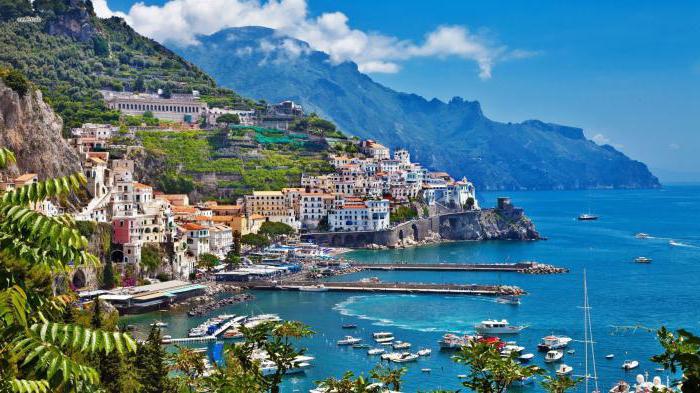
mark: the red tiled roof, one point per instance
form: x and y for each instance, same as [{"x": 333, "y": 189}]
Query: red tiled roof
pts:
[{"x": 193, "y": 227}]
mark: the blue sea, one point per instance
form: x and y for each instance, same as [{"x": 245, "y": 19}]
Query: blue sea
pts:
[{"x": 629, "y": 301}]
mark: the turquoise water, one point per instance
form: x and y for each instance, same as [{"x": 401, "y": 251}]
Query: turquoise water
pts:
[{"x": 621, "y": 292}]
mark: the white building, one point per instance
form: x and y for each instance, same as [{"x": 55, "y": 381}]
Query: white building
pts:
[
  {"x": 372, "y": 215},
  {"x": 220, "y": 240},
  {"x": 179, "y": 107},
  {"x": 197, "y": 239}
]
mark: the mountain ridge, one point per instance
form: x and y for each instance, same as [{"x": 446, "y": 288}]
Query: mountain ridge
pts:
[{"x": 265, "y": 64}]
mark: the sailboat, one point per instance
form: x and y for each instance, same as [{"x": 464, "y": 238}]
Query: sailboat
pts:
[{"x": 588, "y": 342}]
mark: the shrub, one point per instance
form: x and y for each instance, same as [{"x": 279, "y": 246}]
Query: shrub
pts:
[{"x": 16, "y": 81}]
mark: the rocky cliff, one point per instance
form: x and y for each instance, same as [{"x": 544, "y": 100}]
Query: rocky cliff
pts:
[
  {"x": 489, "y": 224},
  {"x": 30, "y": 128}
]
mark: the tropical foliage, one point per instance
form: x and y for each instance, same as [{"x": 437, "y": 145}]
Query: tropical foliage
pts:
[{"x": 38, "y": 351}]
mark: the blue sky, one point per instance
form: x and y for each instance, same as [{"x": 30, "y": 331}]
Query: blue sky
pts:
[{"x": 628, "y": 72}]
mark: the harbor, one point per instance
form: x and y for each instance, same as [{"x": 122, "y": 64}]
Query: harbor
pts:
[
  {"x": 518, "y": 267},
  {"x": 389, "y": 287}
]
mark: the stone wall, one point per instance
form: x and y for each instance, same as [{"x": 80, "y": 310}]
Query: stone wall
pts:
[{"x": 487, "y": 224}]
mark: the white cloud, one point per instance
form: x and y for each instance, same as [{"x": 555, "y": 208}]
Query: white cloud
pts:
[{"x": 180, "y": 21}]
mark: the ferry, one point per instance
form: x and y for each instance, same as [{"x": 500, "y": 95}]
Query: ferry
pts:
[
  {"x": 643, "y": 260},
  {"x": 553, "y": 356},
  {"x": 553, "y": 342},
  {"x": 587, "y": 217},
  {"x": 349, "y": 340},
  {"x": 492, "y": 326}
]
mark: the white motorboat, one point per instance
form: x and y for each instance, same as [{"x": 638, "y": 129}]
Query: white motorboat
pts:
[
  {"x": 425, "y": 370},
  {"x": 553, "y": 356},
  {"x": 492, "y": 326},
  {"x": 377, "y": 335},
  {"x": 526, "y": 357},
  {"x": 299, "y": 364},
  {"x": 564, "y": 369},
  {"x": 512, "y": 300},
  {"x": 390, "y": 355},
  {"x": 349, "y": 340},
  {"x": 642, "y": 260},
  {"x": 159, "y": 324},
  {"x": 375, "y": 351},
  {"x": 313, "y": 288},
  {"x": 587, "y": 217},
  {"x": 553, "y": 342},
  {"x": 630, "y": 364},
  {"x": 620, "y": 387},
  {"x": 384, "y": 340},
  {"x": 405, "y": 358},
  {"x": 509, "y": 349},
  {"x": 401, "y": 345},
  {"x": 424, "y": 352},
  {"x": 609, "y": 356},
  {"x": 642, "y": 235},
  {"x": 674, "y": 243}
]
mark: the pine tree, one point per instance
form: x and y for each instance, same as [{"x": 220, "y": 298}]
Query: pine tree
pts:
[
  {"x": 152, "y": 371},
  {"x": 108, "y": 276}
]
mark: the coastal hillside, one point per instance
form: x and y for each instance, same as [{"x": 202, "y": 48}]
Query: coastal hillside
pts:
[{"x": 454, "y": 136}]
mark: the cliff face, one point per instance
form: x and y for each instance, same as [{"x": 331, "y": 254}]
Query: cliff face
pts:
[
  {"x": 30, "y": 128},
  {"x": 491, "y": 224}
]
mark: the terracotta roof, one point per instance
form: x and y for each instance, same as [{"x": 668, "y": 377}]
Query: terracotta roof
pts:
[
  {"x": 99, "y": 154},
  {"x": 173, "y": 196},
  {"x": 184, "y": 209},
  {"x": 141, "y": 185},
  {"x": 225, "y": 207},
  {"x": 222, "y": 218},
  {"x": 256, "y": 217},
  {"x": 193, "y": 227},
  {"x": 202, "y": 218}
]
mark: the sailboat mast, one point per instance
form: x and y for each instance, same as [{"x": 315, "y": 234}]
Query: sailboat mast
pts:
[
  {"x": 585, "y": 329},
  {"x": 588, "y": 337}
]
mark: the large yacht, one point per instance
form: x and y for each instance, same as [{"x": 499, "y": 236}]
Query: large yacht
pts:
[
  {"x": 553, "y": 342},
  {"x": 492, "y": 326}
]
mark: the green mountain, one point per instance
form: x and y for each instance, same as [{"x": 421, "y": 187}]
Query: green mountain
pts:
[{"x": 453, "y": 136}]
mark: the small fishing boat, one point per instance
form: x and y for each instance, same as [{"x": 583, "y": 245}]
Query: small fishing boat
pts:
[
  {"x": 642, "y": 260},
  {"x": 462, "y": 376},
  {"x": 564, "y": 369},
  {"x": 587, "y": 217},
  {"x": 401, "y": 345},
  {"x": 375, "y": 351},
  {"x": 424, "y": 352},
  {"x": 360, "y": 346},
  {"x": 609, "y": 356},
  {"x": 492, "y": 326},
  {"x": 620, "y": 387},
  {"x": 642, "y": 235},
  {"x": 526, "y": 357},
  {"x": 349, "y": 326},
  {"x": 349, "y": 340},
  {"x": 384, "y": 340},
  {"x": 630, "y": 364},
  {"x": 377, "y": 335},
  {"x": 405, "y": 358},
  {"x": 553, "y": 356},
  {"x": 425, "y": 370}
]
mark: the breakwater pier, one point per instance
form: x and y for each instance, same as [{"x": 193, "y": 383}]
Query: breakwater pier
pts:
[
  {"x": 388, "y": 287},
  {"x": 518, "y": 267}
]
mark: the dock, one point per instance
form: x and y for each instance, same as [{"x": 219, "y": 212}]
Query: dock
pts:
[
  {"x": 202, "y": 339},
  {"x": 518, "y": 267},
  {"x": 393, "y": 287}
]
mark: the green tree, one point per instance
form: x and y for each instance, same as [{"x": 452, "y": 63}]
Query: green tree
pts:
[
  {"x": 274, "y": 230},
  {"x": 681, "y": 351},
  {"x": 228, "y": 119},
  {"x": 389, "y": 376},
  {"x": 236, "y": 246},
  {"x": 100, "y": 46},
  {"x": 349, "y": 384},
  {"x": 139, "y": 84},
  {"x": 255, "y": 240},
  {"x": 108, "y": 279},
  {"x": 207, "y": 261},
  {"x": 108, "y": 365},
  {"x": 233, "y": 378},
  {"x": 38, "y": 351},
  {"x": 233, "y": 260},
  {"x": 12, "y": 9},
  {"x": 151, "y": 257},
  {"x": 559, "y": 383},
  {"x": 150, "y": 364},
  {"x": 488, "y": 371},
  {"x": 189, "y": 364},
  {"x": 16, "y": 81}
]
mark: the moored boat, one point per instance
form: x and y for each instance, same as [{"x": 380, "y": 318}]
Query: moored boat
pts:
[
  {"x": 375, "y": 351},
  {"x": 492, "y": 326},
  {"x": 587, "y": 217},
  {"x": 564, "y": 369},
  {"x": 424, "y": 352},
  {"x": 553, "y": 356},
  {"x": 454, "y": 342},
  {"x": 349, "y": 326},
  {"x": 551, "y": 342},
  {"x": 314, "y": 288},
  {"x": 526, "y": 357},
  {"x": 642, "y": 260},
  {"x": 609, "y": 356},
  {"x": 405, "y": 357},
  {"x": 630, "y": 364},
  {"x": 348, "y": 340},
  {"x": 401, "y": 345}
]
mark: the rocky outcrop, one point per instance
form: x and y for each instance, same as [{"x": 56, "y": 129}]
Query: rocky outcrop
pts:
[
  {"x": 75, "y": 21},
  {"x": 30, "y": 128},
  {"x": 489, "y": 224}
]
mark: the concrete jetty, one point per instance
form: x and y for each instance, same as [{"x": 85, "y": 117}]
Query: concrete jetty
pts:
[
  {"x": 518, "y": 267},
  {"x": 394, "y": 287}
]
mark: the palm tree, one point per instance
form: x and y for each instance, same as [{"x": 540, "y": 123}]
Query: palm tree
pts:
[
  {"x": 389, "y": 376},
  {"x": 38, "y": 352}
]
